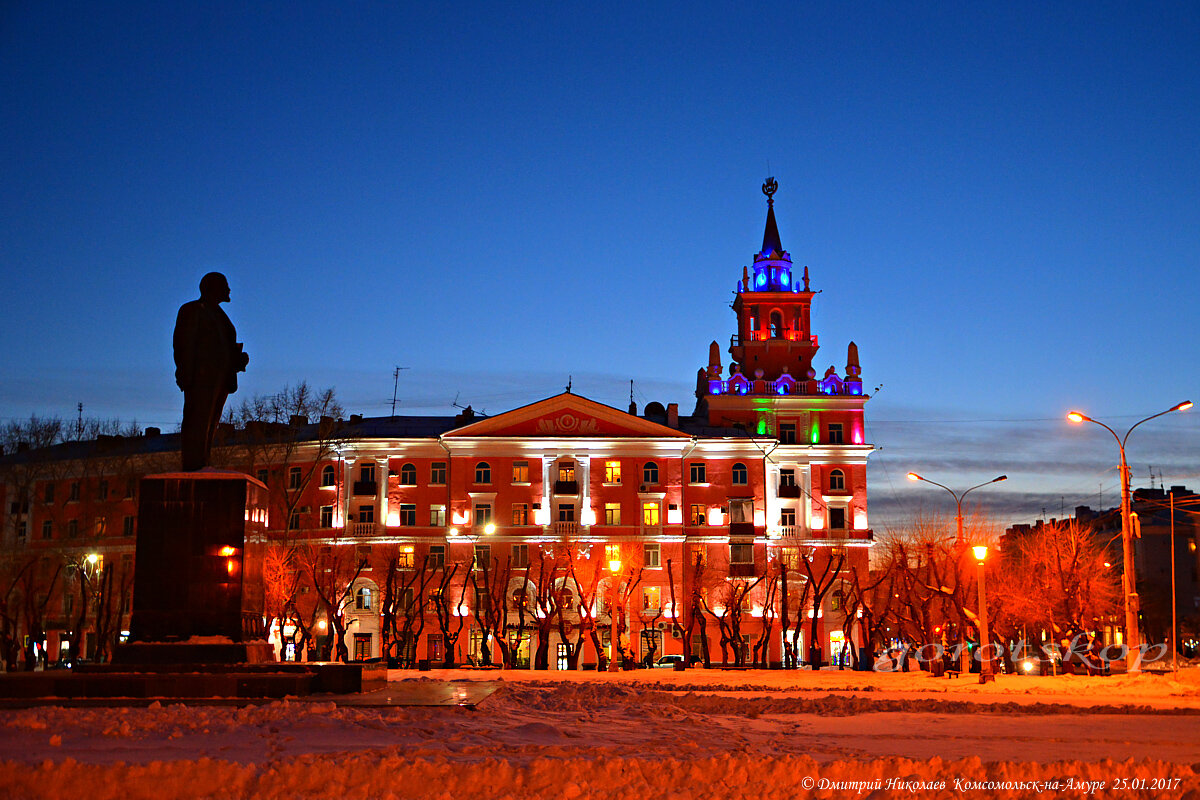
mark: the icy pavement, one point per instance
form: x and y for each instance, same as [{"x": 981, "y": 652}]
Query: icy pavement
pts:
[{"x": 644, "y": 734}]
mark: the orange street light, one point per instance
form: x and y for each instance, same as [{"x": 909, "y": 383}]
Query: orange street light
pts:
[
  {"x": 985, "y": 662},
  {"x": 1128, "y": 578}
]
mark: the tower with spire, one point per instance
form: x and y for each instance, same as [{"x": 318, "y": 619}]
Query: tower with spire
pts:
[{"x": 774, "y": 388}]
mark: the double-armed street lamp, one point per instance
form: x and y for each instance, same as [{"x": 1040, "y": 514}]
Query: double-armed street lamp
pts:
[{"x": 1128, "y": 580}]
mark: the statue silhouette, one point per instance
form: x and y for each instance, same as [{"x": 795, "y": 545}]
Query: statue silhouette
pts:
[{"x": 208, "y": 358}]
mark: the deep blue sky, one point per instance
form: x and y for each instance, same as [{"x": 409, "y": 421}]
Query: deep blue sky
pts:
[{"x": 999, "y": 205}]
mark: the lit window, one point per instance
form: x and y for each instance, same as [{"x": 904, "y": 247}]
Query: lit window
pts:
[
  {"x": 483, "y": 472},
  {"x": 520, "y": 472},
  {"x": 437, "y": 516},
  {"x": 652, "y": 555},
  {"x": 697, "y": 472},
  {"x": 566, "y": 471},
  {"x": 650, "y": 473},
  {"x": 405, "y": 558},
  {"x": 651, "y": 598},
  {"x": 520, "y": 514},
  {"x": 837, "y": 480},
  {"x": 612, "y": 471},
  {"x": 612, "y": 552},
  {"x": 408, "y": 475},
  {"x": 790, "y": 558},
  {"x": 697, "y": 514},
  {"x": 650, "y": 513},
  {"x": 437, "y": 473},
  {"x": 408, "y": 514},
  {"x": 835, "y": 433},
  {"x": 740, "y": 474},
  {"x": 362, "y": 599},
  {"x": 612, "y": 513}
]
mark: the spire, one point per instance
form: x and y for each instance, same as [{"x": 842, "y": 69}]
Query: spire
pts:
[{"x": 771, "y": 234}]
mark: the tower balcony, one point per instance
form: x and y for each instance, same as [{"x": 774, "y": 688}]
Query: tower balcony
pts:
[{"x": 765, "y": 336}]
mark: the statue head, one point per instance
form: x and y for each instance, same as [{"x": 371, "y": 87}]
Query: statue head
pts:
[{"x": 214, "y": 288}]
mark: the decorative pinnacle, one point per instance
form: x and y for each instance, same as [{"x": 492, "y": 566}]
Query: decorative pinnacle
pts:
[{"x": 769, "y": 188}]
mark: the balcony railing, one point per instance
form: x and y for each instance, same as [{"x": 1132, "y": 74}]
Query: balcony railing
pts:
[
  {"x": 564, "y": 529},
  {"x": 363, "y": 528},
  {"x": 789, "y": 531},
  {"x": 765, "y": 336}
]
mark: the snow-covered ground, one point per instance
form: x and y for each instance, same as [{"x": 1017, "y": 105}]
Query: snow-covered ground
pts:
[{"x": 700, "y": 733}]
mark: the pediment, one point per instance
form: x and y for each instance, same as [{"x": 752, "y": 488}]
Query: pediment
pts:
[{"x": 567, "y": 415}]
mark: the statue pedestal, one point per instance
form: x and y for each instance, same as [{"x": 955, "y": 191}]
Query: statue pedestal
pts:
[{"x": 197, "y": 581}]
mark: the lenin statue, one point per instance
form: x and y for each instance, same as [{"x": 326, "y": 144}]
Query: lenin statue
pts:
[{"x": 208, "y": 358}]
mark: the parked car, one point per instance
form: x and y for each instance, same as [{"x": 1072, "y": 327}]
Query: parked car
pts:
[{"x": 668, "y": 662}]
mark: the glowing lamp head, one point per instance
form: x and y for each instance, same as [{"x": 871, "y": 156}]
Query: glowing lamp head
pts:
[
  {"x": 1027, "y": 666},
  {"x": 1075, "y": 416},
  {"x": 452, "y": 532},
  {"x": 92, "y": 559},
  {"x": 321, "y": 625},
  {"x": 1184, "y": 406},
  {"x": 490, "y": 528},
  {"x": 980, "y": 551},
  {"x": 912, "y": 476},
  {"x": 227, "y": 551},
  {"x": 615, "y": 565}
]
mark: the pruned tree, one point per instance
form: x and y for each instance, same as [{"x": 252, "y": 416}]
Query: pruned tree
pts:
[
  {"x": 821, "y": 567},
  {"x": 331, "y": 571},
  {"x": 584, "y": 573}
]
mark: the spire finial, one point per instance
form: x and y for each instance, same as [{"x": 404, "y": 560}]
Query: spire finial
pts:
[{"x": 769, "y": 188}]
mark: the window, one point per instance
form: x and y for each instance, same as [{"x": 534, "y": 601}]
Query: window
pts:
[
  {"x": 101, "y": 526},
  {"x": 483, "y": 600},
  {"x": 408, "y": 475},
  {"x": 294, "y": 520},
  {"x": 790, "y": 558},
  {"x": 294, "y": 477},
  {"x": 612, "y": 513},
  {"x": 49, "y": 496},
  {"x": 362, "y": 646},
  {"x": 362, "y": 556},
  {"x": 437, "y": 516},
  {"x": 566, "y": 471},
  {"x": 652, "y": 555},
  {"x": 651, "y": 598},
  {"x": 366, "y": 473},
  {"x": 698, "y": 554},
  {"x": 326, "y": 516},
  {"x": 696, "y": 472},
  {"x": 612, "y": 552},
  {"x": 612, "y": 471},
  {"x": 404, "y": 559},
  {"x": 102, "y": 490},
  {"x": 650, "y": 514},
  {"x": 483, "y": 472},
  {"x": 787, "y": 517},
  {"x": 21, "y": 531},
  {"x": 650, "y": 473},
  {"x": 837, "y": 481},
  {"x": 835, "y": 433},
  {"x": 566, "y": 512},
  {"x": 261, "y": 476},
  {"x": 787, "y": 433},
  {"x": 436, "y": 647},
  {"x": 483, "y": 514},
  {"x": 328, "y": 475},
  {"x": 362, "y": 599},
  {"x": 787, "y": 477},
  {"x": 68, "y": 604},
  {"x": 741, "y": 510},
  {"x": 741, "y": 553},
  {"x": 483, "y": 557},
  {"x": 697, "y": 514},
  {"x": 408, "y": 514},
  {"x": 74, "y": 491},
  {"x": 48, "y": 529},
  {"x": 437, "y": 473},
  {"x": 835, "y": 601},
  {"x": 130, "y": 487},
  {"x": 520, "y": 514},
  {"x": 437, "y": 556},
  {"x": 837, "y": 519},
  {"x": 520, "y": 472},
  {"x": 72, "y": 528},
  {"x": 740, "y": 474},
  {"x": 366, "y": 513},
  {"x": 520, "y": 555}
]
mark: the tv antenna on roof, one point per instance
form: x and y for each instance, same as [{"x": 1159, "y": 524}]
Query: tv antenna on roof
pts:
[{"x": 395, "y": 385}]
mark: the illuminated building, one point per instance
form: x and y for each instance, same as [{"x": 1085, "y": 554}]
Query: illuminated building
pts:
[{"x": 768, "y": 472}]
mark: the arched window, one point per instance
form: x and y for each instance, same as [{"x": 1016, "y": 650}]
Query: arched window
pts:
[
  {"x": 650, "y": 473},
  {"x": 740, "y": 476},
  {"x": 566, "y": 599},
  {"x": 362, "y": 599},
  {"x": 328, "y": 475},
  {"x": 837, "y": 481},
  {"x": 483, "y": 472},
  {"x": 408, "y": 475},
  {"x": 776, "y": 325}
]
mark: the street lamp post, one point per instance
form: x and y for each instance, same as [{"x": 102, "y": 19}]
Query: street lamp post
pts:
[
  {"x": 985, "y": 662},
  {"x": 614, "y": 566},
  {"x": 1128, "y": 579},
  {"x": 959, "y": 539}
]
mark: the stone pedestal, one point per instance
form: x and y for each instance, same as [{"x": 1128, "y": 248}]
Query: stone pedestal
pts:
[{"x": 197, "y": 583}]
